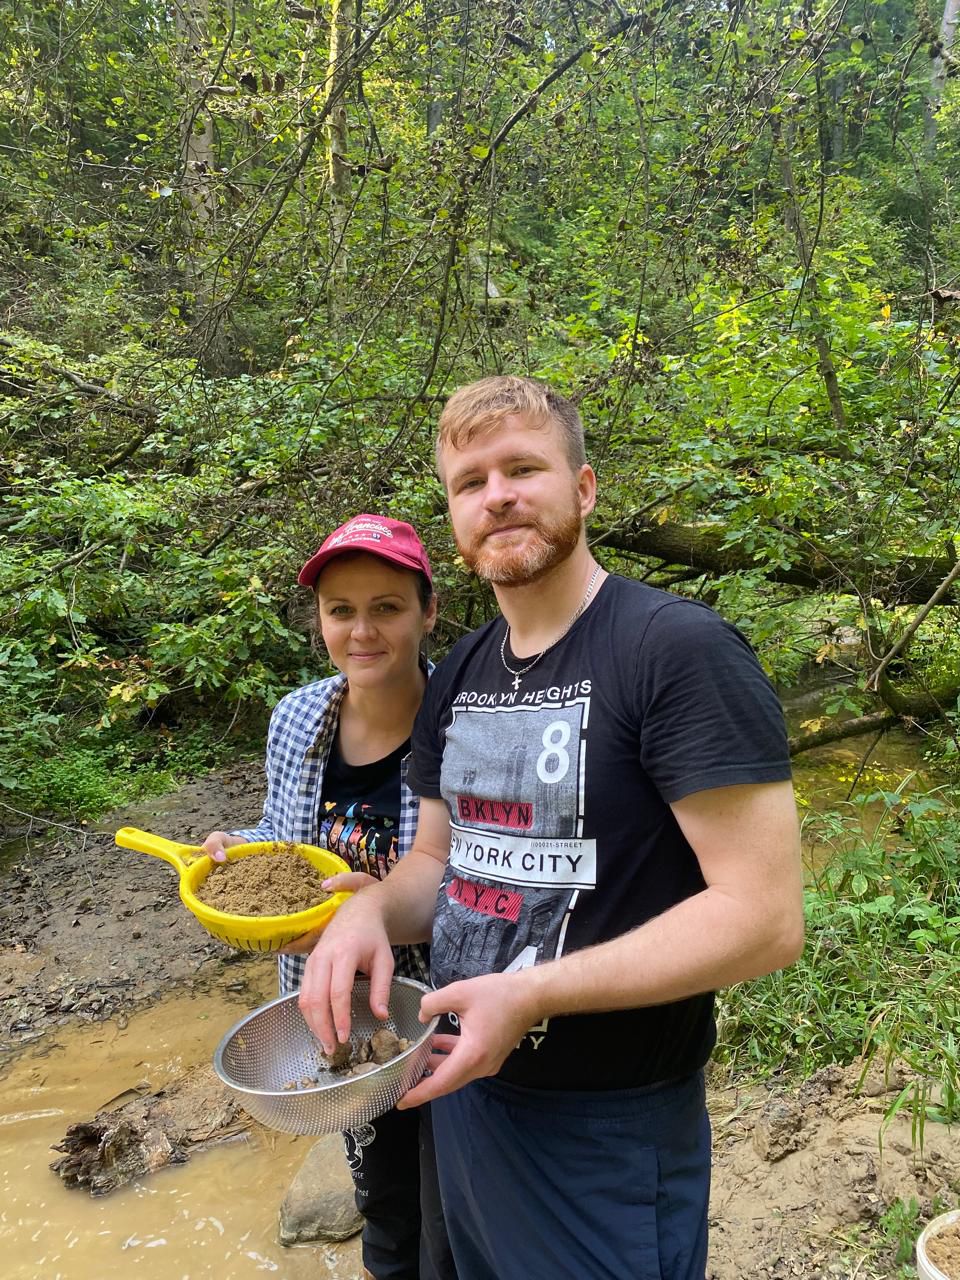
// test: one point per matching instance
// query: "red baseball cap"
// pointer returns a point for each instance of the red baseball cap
(392, 540)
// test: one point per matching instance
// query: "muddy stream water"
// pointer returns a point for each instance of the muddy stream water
(159, 996)
(213, 1218)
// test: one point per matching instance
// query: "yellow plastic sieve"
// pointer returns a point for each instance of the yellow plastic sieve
(246, 933)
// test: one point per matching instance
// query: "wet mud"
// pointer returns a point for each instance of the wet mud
(89, 931)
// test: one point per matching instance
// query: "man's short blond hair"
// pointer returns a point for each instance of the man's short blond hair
(481, 407)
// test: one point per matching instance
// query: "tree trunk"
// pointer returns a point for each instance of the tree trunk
(445, 77)
(940, 66)
(434, 115)
(342, 22)
(148, 1131)
(796, 220)
(909, 580)
(919, 704)
(836, 731)
(838, 86)
(197, 166)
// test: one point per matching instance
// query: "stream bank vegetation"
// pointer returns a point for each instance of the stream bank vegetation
(878, 984)
(245, 253)
(879, 973)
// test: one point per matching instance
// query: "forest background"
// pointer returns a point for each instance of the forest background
(248, 249)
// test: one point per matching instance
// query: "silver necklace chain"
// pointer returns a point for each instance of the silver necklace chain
(522, 671)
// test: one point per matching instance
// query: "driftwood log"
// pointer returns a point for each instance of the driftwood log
(148, 1131)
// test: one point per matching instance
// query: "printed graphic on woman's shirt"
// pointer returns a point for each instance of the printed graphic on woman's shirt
(514, 780)
(365, 840)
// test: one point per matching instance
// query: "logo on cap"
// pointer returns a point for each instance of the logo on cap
(358, 528)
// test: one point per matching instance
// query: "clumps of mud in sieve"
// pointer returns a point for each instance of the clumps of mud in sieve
(274, 884)
(349, 1060)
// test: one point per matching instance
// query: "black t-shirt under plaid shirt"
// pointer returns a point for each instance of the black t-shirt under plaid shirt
(359, 816)
(303, 729)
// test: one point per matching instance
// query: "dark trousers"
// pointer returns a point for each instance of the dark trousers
(395, 1175)
(575, 1186)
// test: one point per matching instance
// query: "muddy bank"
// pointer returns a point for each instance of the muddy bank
(89, 931)
(802, 1177)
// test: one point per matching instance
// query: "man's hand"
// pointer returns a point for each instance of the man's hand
(218, 842)
(344, 882)
(355, 941)
(494, 1012)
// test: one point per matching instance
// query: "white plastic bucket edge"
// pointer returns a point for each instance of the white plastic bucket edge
(925, 1268)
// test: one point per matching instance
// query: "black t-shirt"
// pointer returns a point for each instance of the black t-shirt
(559, 794)
(359, 816)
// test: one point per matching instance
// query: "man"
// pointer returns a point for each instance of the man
(607, 834)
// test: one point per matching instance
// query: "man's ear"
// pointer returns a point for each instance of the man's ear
(587, 489)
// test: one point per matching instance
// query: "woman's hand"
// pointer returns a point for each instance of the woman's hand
(344, 882)
(218, 842)
(349, 882)
(303, 945)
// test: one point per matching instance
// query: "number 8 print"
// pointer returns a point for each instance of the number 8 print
(553, 761)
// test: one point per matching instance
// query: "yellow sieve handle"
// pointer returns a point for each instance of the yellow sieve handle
(180, 856)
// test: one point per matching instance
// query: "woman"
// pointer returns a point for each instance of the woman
(336, 765)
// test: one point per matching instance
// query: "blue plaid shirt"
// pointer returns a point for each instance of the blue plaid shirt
(302, 730)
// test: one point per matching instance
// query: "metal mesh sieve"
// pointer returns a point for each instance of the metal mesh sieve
(273, 1046)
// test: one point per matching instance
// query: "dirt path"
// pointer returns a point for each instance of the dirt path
(91, 932)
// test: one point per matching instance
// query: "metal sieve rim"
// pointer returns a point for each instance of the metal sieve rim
(338, 1081)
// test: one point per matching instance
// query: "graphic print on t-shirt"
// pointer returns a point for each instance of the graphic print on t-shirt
(513, 776)
(365, 840)
(359, 813)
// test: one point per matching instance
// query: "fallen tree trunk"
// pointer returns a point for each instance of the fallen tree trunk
(902, 705)
(910, 580)
(149, 1131)
(876, 722)
(918, 704)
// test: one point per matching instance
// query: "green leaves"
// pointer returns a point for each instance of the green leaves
(214, 354)
(881, 968)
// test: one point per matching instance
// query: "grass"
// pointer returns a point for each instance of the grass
(887, 1249)
(880, 973)
(90, 774)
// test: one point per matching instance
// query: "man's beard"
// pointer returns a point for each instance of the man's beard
(519, 566)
